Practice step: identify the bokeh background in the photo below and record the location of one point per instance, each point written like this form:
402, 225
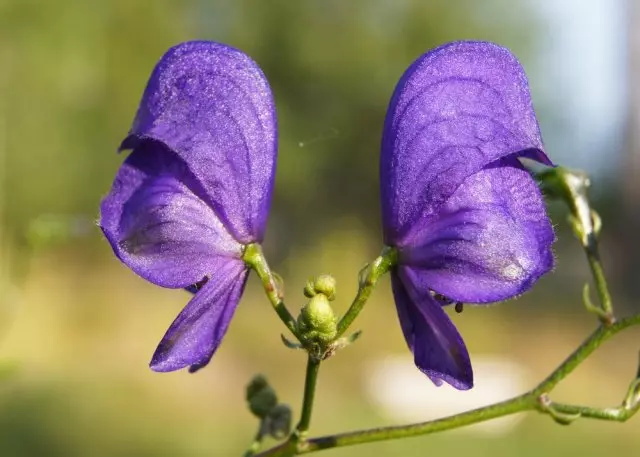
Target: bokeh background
77, 329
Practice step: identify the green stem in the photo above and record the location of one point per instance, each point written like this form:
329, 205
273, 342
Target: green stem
527, 402
566, 414
255, 445
573, 188
592, 343
297, 442
255, 259
310, 381
505, 408
587, 233
369, 277
601, 282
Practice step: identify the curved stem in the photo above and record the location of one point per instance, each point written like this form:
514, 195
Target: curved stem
368, 280
597, 271
589, 345
530, 401
572, 188
565, 414
505, 408
255, 259
255, 445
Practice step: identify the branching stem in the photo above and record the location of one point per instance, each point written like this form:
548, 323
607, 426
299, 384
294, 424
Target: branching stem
560, 183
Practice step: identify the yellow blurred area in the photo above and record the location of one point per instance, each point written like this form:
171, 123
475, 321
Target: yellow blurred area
82, 385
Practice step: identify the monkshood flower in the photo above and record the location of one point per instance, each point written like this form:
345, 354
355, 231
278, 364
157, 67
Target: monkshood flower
196, 189
467, 220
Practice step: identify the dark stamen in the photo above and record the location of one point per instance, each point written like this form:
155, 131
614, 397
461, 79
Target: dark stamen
441, 298
197, 286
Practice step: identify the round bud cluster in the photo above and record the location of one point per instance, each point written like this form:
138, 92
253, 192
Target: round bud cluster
323, 284
261, 397
278, 422
317, 322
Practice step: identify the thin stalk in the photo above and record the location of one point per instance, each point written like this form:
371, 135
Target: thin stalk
593, 342
255, 259
505, 408
255, 445
369, 278
527, 402
600, 280
572, 188
310, 382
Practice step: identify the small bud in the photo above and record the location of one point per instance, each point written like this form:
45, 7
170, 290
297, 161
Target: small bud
278, 422
309, 290
261, 397
257, 383
317, 321
323, 284
263, 402
326, 285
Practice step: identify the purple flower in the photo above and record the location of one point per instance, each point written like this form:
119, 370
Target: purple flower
196, 189
468, 221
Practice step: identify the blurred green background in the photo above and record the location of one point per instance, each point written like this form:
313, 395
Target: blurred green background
77, 329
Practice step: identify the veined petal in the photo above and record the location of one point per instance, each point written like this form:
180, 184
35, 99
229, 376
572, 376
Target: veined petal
157, 223
212, 105
491, 241
438, 349
455, 110
198, 330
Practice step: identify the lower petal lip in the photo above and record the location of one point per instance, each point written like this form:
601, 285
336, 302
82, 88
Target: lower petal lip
438, 348
196, 333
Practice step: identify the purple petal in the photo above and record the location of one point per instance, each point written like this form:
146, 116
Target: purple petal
212, 105
198, 330
455, 110
491, 241
438, 349
158, 224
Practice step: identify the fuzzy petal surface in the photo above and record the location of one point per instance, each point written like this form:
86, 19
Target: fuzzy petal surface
490, 241
438, 349
211, 104
157, 222
456, 109
198, 330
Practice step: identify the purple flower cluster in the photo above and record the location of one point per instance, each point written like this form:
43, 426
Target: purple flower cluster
468, 222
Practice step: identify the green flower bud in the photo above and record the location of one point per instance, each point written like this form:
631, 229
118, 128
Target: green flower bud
309, 290
261, 397
326, 285
278, 422
263, 402
317, 322
257, 383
